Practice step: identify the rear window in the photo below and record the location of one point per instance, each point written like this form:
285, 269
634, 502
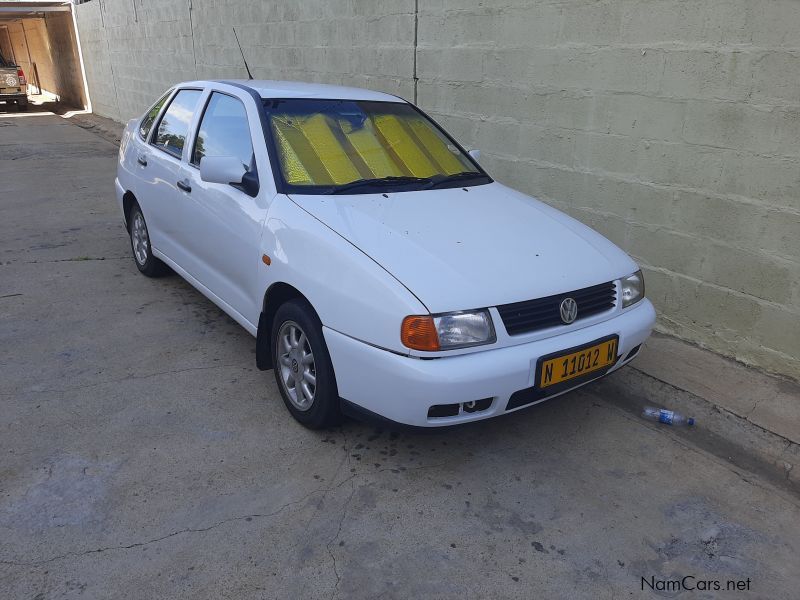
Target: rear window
174, 125
4, 62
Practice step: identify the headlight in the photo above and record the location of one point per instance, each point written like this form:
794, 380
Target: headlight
447, 331
632, 288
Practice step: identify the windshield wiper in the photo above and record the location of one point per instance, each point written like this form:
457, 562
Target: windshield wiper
439, 180
379, 182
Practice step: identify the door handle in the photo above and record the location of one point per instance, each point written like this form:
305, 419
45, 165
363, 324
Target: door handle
184, 185
142, 160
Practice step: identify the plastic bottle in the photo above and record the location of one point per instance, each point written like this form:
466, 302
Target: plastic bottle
662, 415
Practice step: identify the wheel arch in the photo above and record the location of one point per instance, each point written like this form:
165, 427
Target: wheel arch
277, 294
128, 200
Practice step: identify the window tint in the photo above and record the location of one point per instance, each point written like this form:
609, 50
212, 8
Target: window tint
174, 125
147, 122
224, 131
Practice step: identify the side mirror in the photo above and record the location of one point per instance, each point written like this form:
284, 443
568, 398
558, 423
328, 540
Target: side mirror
222, 169
475, 154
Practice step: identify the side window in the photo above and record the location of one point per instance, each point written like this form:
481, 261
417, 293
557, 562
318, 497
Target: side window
147, 122
174, 125
224, 131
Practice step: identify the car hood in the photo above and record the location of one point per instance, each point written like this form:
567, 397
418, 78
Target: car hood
463, 248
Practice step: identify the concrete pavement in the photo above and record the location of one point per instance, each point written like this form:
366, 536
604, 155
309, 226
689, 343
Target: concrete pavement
142, 455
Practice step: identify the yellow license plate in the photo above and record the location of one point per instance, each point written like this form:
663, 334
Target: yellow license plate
555, 369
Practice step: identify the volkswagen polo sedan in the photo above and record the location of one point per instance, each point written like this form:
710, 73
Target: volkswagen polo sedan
381, 269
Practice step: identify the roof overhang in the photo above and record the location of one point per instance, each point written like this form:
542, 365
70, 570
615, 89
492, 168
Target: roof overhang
12, 9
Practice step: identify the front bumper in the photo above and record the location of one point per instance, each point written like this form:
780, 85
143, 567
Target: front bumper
402, 388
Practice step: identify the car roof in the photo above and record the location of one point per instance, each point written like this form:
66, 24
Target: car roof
297, 89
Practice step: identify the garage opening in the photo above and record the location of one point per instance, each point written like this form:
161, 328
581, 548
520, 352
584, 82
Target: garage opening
40, 39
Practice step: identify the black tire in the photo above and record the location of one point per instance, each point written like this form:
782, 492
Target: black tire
147, 264
22, 106
324, 410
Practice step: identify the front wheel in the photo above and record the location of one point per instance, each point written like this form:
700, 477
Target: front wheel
302, 366
140, 245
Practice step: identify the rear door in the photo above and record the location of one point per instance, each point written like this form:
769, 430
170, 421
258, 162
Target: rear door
159, 162
136, 156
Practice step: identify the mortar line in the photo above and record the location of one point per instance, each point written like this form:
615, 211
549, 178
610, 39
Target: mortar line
191, 29
416, 43
110, 59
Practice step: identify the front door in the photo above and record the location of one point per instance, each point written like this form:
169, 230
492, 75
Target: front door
223, 223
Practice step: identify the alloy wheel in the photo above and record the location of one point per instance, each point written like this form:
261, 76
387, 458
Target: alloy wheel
296, 360
140, 239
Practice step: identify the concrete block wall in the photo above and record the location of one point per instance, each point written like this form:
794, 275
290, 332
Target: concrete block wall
96, 60
135, 50
672, 126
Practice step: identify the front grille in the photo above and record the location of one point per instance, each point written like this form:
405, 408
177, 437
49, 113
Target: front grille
533, 315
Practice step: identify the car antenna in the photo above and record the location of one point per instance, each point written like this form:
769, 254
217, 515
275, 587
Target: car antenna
244, 60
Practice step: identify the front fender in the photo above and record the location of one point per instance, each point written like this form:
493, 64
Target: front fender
351, 293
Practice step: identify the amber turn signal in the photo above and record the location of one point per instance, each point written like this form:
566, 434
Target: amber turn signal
418, 332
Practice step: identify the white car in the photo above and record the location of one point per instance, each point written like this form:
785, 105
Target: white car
383, 273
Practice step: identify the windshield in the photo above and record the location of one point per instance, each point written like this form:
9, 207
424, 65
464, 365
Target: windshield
336, 146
